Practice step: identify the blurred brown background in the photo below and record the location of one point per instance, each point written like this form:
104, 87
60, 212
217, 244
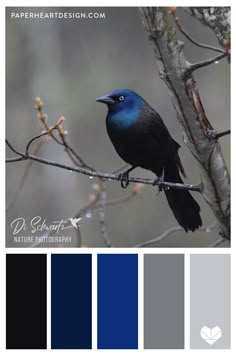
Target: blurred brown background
68, 63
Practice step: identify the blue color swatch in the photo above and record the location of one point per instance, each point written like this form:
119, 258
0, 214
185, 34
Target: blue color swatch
71, 307
117, 301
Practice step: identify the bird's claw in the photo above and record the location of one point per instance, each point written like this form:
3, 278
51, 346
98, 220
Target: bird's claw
160, 182
124, 179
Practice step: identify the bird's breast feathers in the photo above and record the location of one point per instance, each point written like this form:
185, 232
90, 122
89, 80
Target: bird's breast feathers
122, 119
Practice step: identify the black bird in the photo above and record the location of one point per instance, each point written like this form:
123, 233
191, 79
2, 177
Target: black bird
141, 138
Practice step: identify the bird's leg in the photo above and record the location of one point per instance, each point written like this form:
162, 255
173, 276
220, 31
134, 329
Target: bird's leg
160, 180
124, 177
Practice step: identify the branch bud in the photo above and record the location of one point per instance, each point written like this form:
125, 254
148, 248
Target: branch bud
137, 187
92, 198
96, 187
172, 10
38, 103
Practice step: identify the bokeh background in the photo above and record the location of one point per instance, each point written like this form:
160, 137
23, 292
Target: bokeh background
68, 63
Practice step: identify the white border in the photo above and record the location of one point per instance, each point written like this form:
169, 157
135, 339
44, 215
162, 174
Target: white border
94, 251
187, 301
48, 301
94, 300
140, 301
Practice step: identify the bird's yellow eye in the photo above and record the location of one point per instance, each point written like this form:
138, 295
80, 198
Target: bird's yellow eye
121, 98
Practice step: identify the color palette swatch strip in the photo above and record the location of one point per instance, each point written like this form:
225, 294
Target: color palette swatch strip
26, 301
71, 301
117, 301
118, 304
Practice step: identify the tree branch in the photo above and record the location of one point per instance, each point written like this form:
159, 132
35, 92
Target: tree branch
92, 206
220, 135
217, 243
173, 230
48, 132
172, 11
207, 62
74, 156
176, 72
108, 176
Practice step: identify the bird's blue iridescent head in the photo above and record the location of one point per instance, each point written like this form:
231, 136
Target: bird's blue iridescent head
124, 107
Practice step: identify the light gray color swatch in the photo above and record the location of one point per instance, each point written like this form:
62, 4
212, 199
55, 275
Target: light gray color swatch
164, 301
210, 301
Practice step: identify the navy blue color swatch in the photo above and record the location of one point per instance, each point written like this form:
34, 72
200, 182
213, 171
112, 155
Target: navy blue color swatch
71, 301
26, 301
117, 301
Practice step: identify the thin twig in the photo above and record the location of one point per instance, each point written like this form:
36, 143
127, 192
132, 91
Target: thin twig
159, 238
101, 213
42, 116
110, 203
207, 62
171, 231
23, 179
172, 11
16, 152
135, 190
216, 243
219, 135
15, 159
92, 206
70, 151
74, 156
48, 132
83, 211
109, 176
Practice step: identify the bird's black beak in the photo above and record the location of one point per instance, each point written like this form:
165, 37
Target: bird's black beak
105, 99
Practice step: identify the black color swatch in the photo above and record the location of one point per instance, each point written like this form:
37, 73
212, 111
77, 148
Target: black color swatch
26, 306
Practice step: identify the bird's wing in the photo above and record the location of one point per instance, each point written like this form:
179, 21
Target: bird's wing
156, 127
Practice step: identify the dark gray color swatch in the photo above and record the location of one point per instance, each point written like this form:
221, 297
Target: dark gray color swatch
210, 301
164, 301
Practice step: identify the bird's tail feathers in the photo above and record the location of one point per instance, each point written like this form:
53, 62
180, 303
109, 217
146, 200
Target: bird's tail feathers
184, 207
